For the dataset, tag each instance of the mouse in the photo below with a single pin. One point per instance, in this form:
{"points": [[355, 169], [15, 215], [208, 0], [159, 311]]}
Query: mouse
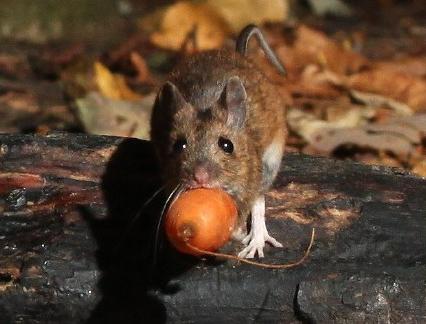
{"points": [[219, 122]]}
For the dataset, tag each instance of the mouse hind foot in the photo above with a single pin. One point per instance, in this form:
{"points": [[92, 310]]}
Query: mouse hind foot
{"points": [[258, 234]]}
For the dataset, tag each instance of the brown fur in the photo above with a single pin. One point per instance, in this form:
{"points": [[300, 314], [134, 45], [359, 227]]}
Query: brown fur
{"points": [[201, 80]]}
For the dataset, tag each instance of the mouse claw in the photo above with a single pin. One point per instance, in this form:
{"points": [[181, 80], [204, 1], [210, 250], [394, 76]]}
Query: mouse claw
{"points": [[247, 239], [267, 238], [250, 251], [257, 243], [258, 235], [273, 241]]}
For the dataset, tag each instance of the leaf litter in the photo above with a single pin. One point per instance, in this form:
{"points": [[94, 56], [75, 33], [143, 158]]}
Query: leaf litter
{"points": [[355, 89]]}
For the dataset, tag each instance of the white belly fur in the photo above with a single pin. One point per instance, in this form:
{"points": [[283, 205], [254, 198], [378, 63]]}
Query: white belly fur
{"points": [[271, 160]]}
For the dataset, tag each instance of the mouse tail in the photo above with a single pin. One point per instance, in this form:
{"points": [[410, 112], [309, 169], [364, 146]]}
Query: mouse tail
{"points": [[242, 45]]}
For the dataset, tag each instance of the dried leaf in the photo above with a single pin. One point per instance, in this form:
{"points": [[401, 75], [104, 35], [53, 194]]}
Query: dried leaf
{"points": [[104, 116], [144, 75], [19, 101], [420, 168], [344, 114], [302, 88], [309, 126], [182, 18], [314, 47], [315, 83], [239, 13], [371, 99], [327, 140], [334, 7], [113, 86], [15, 65], [17, 107], [406, 130], [413, 65], [400, 136], [382, 158], [396, 85]]}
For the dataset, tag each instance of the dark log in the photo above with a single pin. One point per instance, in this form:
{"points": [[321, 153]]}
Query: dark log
{"points": [[70, 252]]}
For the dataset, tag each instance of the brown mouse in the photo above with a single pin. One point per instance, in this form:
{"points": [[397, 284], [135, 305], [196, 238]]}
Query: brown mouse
{"points": [[219, 122]]}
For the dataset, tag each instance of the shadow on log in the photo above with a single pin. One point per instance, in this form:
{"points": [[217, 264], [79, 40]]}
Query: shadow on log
{"points": [[72, 251]]}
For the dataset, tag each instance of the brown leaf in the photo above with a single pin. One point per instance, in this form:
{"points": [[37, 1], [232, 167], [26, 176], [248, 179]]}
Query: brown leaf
{"points": [[413, 65], [15, 65], [183, 17], [375, 100], [20, 101], [382, 158], [314, 47], [327, 140], [420, 168], [239, 13], [400, 136], [101, 115], [139, 63], [113, 86], [396, 85], [308, 126], [308, 89], [63, 55], [315, 83]]}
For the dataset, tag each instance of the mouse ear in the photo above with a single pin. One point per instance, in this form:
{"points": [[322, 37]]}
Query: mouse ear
{"points": [[236, 100], [170, 97]]}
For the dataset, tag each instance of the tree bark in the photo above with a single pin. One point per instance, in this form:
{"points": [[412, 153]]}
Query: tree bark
{"points": [[72, 250]]}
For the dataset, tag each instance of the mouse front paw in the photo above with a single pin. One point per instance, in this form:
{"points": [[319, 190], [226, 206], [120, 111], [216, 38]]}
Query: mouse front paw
{"points": [[258, 233], [256, 242]]}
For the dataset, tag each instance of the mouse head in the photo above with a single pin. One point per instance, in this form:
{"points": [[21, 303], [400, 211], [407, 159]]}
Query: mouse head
{"points": [[203, 146]]}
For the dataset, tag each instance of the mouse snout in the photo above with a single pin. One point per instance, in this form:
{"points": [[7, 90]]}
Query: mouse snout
{"points": [[201, 175]]}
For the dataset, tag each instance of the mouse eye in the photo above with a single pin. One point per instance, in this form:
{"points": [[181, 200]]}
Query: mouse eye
{"points": [[180, 145], [226, 145]]}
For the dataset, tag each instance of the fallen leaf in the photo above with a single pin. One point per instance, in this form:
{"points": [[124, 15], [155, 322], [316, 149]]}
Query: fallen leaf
{"points": [[77, 79], [397, 127], [342, 113], [104, 116], [333, 7], [307, 89], [113, 86], [401, 136], [389, 83], [315, 83], [239, 13], [413, 65], [308, 126], [19, 101], [14, 65], [183, 17], [420, 168], [53, 59], [139, 63], [382, 158], [63, 55], [311, 46], [371, 99], [328, 140]]}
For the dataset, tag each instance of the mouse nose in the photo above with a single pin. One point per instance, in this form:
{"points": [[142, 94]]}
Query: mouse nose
{"points": [[201, 175]]}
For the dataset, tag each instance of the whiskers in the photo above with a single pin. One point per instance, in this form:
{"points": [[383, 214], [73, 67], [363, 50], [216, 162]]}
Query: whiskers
{"points": [[174, 194], [156, 226], [138, 214]]}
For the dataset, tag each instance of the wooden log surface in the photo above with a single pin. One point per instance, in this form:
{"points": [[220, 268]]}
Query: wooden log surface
{"points": [[70, 252]]}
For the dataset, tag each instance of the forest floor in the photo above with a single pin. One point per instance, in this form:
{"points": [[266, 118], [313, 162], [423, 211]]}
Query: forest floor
{"points": [[356, 83]]}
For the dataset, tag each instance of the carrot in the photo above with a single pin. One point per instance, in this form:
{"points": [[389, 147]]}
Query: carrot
{"points": [[203, 218], [201, 221]]}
